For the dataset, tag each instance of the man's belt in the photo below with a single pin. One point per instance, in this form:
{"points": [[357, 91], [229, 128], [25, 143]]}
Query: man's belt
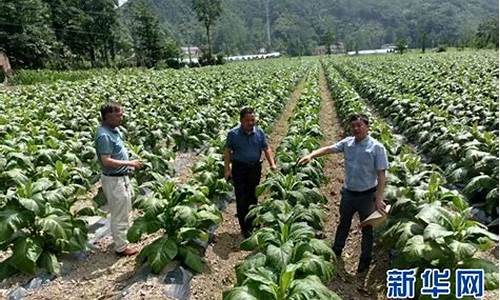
{"points": [[248, 163], [360, 193], [117, 174]]}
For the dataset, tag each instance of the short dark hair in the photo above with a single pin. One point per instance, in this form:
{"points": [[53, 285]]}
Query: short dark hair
{"points": [[246, 111], [109, 107], [359, 117]]}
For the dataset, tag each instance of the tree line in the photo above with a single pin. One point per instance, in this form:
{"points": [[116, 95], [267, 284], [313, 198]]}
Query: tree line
{"points": [[74, 34]]}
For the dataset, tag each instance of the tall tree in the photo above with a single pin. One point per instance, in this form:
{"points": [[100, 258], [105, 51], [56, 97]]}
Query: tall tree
{"points": [[148, 42], [68, 21], [268, 27], [423, 40], [487, 34], [401, 45], [101, 24], [86, 29], [328, 39], [26, 33], [208, 11]]}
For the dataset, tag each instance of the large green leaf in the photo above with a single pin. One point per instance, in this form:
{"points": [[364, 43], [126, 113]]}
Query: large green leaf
{"points": [[315, 246], [12, 220], [159, 253], [6, 232], [241, 293], [278, 257], [415, 248], [208, 218], [49, 262], [479, 183], [259, 238], [29, 204], [42, 185], [26, 252], [56, 226], [151, 204], [492, 200], [88, 211], [251, 262], [406, 229], [310, 288], [142, 225], [78, 239], [316, 265], [301, 231], [263, 276], [463, 251], [192, 259], [17, 175], [459, 174], [435, 231], [430, 213], [190, 233], [185, 216], [478, 230], [7, 268]]}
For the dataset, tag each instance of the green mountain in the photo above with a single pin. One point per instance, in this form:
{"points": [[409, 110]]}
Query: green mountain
{"points": [[298, 26]]}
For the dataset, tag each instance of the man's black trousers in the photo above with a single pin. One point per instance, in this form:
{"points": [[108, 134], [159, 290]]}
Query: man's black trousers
{"points": [[246, 177], [364, 205]]}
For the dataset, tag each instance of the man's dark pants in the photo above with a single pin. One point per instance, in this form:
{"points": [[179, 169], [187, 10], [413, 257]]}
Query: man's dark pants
{"points": [[246, 177], [364, 204]]}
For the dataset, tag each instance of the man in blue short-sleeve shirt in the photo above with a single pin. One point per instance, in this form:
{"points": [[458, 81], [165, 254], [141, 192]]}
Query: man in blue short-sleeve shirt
{"points": [[365, 161], [115, 165], [109, 141], [242, 163]]}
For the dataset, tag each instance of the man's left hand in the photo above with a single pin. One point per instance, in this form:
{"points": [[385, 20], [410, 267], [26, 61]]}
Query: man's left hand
{"points": [[273, 167]]}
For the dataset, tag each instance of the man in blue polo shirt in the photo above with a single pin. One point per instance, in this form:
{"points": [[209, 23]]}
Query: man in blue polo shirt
{"points": [[242, 163], [115, 165], [363, 191]]}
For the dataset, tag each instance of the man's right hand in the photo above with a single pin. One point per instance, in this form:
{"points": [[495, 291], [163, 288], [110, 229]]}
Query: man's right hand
{"points": [[136, 164], [380, 206], [227, 174], [304, 160]]}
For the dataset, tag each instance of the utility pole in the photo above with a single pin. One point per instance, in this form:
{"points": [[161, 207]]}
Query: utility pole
{"points": [[268, 26]]}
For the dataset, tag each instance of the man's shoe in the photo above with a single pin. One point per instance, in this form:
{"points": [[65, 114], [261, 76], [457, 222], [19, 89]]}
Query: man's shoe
{"points": [[129, 251]]}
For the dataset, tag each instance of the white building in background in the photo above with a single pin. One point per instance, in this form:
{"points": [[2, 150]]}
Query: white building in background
{"points": [[335, 48], [252, 56], [190, 54], [386, 48], [194, 51], [390, 47]]}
